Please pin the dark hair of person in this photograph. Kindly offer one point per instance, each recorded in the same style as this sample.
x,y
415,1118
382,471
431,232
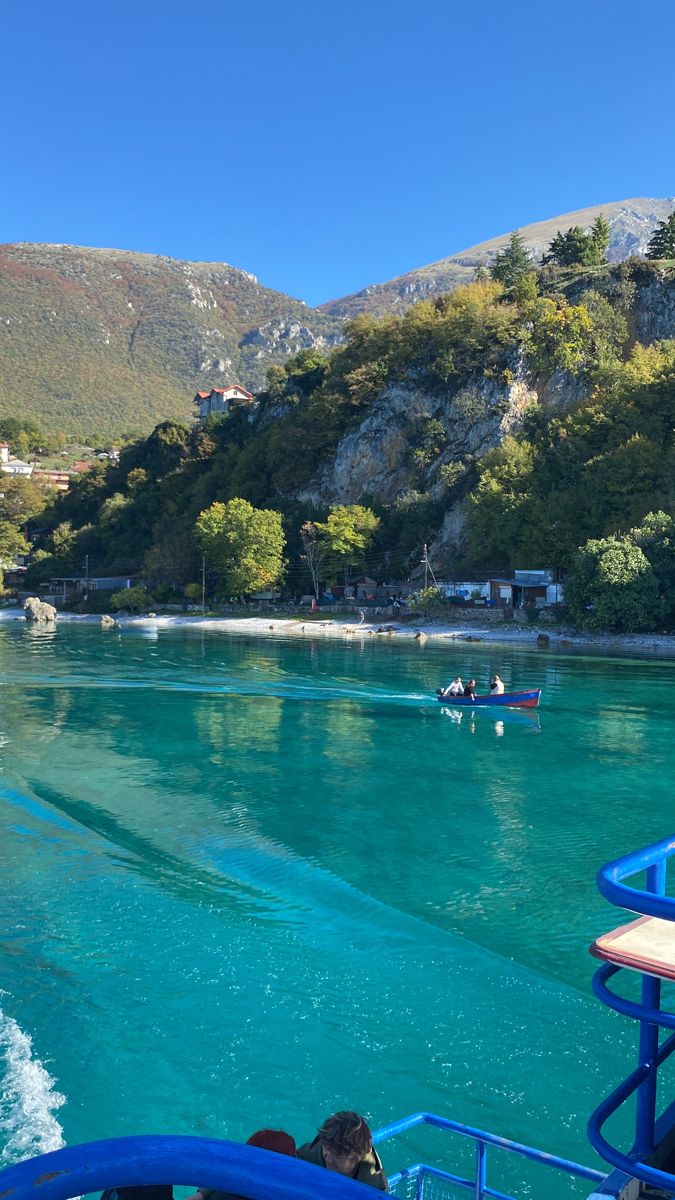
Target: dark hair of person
x,y
273,1139
347,1133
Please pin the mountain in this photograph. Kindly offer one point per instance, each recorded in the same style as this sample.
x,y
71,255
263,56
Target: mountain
x,y
104,341
632,223
101,342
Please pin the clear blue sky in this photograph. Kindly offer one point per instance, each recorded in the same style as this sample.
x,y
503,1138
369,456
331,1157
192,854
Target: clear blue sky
x,y
326,144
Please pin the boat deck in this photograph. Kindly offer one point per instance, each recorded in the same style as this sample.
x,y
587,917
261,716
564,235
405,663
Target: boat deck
x,y
646,945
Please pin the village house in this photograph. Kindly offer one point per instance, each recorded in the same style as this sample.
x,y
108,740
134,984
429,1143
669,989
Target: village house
x,y
60,480
11,465
527,589
221,400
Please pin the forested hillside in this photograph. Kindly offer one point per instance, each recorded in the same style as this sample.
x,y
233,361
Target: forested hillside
x,y
505,425
98,343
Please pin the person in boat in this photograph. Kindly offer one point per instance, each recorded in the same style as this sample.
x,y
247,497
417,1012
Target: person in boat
x,y
344,1144
265,1139
470,689
456,688
496,686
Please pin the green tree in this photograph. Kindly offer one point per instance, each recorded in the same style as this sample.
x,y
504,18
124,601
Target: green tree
x,y
578,248
63,540
655,536
245,544
560,336
134,599
20,499
347,533
12,542
613,587
601,232
166,447
512,263
662,242
23,434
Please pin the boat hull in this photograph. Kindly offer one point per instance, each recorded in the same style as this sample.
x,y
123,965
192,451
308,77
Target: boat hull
x,y
506,700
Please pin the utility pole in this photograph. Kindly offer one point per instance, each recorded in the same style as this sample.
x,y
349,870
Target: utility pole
x,y
425,560
203,584
86,576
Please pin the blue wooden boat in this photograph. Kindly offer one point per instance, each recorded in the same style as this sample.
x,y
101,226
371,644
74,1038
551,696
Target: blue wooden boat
x,y
506,700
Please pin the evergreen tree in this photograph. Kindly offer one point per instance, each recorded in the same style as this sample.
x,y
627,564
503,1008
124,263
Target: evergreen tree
x,y
577,248
601,232
512,263
662,241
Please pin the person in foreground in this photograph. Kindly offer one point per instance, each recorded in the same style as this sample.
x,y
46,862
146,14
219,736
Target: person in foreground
x,y
470,689
344,1144
265,1139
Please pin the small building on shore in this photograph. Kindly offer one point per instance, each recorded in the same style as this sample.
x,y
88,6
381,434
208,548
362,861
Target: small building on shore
x,y
67,587
525,589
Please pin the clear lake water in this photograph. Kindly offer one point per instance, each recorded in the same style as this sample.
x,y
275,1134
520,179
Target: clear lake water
x,y
246,882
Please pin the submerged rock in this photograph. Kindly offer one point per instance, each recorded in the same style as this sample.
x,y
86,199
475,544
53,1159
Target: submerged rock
x,y
39,611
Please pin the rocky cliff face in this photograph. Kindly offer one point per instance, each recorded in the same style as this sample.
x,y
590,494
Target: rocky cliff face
x,y
653,313
375,459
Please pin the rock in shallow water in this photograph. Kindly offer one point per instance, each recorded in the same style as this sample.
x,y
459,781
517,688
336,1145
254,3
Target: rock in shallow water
x,y
40,612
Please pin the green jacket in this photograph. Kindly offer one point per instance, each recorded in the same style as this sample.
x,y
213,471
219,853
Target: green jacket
x,y
368,1171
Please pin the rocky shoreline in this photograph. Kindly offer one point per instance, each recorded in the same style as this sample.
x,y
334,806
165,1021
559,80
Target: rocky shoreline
x,y
661,645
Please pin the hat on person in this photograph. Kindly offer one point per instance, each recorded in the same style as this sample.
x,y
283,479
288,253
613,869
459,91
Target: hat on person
x,y
273,1139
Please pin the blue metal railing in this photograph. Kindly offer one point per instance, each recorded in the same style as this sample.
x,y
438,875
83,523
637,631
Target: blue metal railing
x,y
649,901
478,1183
134,1161
245,1170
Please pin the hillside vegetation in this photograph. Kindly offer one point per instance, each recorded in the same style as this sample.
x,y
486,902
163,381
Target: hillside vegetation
x,y
98,343
592,464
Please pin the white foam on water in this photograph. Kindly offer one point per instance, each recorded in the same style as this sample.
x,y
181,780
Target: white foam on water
x,y
28,1098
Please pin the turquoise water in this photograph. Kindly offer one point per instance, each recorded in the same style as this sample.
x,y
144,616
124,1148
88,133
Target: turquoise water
x,y
247,882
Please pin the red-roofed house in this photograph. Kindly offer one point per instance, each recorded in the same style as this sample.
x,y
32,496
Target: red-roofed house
x,y
221,400
56,479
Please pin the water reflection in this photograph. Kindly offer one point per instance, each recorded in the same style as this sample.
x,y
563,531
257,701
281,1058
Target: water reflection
x,y
498,718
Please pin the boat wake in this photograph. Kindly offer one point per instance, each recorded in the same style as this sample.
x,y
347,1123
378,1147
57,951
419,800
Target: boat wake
x,y
28,1098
